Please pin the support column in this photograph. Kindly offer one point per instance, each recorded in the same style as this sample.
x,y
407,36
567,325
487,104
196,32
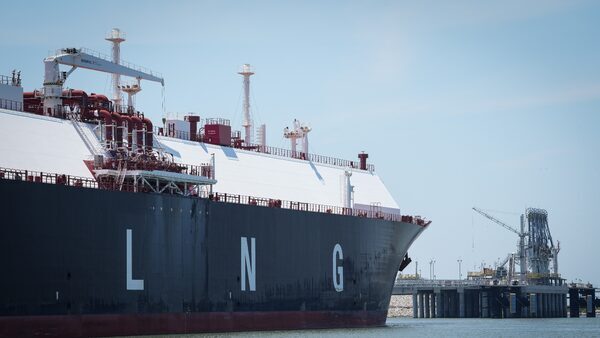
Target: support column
x,y
533,305
468,304
461,303
434,296
427,300
591,310
479,304
439,307
485,311
421,306
512,304
447,303
415,306
564,301
561,306
574,303
524,307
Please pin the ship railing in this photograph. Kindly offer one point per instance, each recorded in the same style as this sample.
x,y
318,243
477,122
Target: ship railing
x,y
125,109
206,170
281,152
440,282
203,169
217,120
49,178
178,134
60,111
10,104
10,80
314,207
334,161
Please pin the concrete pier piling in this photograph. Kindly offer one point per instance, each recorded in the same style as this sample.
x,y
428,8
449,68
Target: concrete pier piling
x,y
415,306
458,299
581,297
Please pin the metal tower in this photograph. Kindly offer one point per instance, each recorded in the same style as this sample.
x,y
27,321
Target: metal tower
x,y
299,131
246,72
131,90
540,246
116,37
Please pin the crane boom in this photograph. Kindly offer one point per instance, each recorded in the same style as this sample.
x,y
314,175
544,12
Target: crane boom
x,y
79,58
492,218
83,58
521,234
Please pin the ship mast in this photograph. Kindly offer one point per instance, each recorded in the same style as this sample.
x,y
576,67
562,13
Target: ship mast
x,y
246,72
116,37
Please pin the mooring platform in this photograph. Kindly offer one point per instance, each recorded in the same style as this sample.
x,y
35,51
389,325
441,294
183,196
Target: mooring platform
x,y
485,299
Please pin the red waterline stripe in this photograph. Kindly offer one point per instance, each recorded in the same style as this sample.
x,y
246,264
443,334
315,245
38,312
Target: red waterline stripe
x,y
178,323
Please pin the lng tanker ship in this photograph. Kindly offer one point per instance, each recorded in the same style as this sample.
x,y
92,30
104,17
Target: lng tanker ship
x,y
114,226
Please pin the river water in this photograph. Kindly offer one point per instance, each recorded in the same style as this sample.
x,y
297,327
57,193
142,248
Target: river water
x,y
409,327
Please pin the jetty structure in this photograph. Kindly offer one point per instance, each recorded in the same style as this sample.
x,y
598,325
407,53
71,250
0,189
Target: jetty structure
x,y
535,290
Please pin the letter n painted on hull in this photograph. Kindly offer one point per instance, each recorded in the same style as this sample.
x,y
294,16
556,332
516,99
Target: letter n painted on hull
x,y
248,263
338,271
132,284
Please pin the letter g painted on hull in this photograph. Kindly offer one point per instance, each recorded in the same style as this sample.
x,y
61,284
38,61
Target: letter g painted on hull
x,y
248,263
338,271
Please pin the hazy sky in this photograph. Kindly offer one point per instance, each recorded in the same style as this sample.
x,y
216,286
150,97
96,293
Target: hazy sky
x,y
458,103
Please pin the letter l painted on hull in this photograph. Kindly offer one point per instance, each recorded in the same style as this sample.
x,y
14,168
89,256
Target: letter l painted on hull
x,y
132,284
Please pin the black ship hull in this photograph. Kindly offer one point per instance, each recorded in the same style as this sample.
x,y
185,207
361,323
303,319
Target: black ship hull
x,y
90,262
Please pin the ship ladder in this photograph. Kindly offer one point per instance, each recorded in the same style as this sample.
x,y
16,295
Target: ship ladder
x,y
121,171
88,143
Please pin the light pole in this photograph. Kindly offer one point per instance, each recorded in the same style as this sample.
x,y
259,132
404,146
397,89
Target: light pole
x,y
417,269
459,270
434,269
431,269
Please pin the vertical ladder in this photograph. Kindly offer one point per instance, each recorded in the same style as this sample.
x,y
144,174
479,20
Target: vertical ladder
x,y
121,171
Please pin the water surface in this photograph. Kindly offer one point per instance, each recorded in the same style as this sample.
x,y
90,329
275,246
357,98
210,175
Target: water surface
x,y
421,328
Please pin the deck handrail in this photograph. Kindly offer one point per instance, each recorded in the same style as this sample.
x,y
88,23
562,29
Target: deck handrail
x,y
86,182
281,152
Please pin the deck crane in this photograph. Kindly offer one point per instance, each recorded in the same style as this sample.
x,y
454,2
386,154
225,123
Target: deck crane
x,y
510,259
522,234
82,58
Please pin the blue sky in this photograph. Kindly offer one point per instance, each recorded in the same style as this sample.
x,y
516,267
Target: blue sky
x,y
459,104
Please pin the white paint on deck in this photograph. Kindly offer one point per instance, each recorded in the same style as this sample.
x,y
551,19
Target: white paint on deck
x,y
39,143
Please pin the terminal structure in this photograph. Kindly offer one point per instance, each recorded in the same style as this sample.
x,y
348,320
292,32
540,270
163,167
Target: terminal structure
x,y
536,291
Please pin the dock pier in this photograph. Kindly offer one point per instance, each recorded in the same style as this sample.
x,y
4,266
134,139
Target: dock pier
x,y
583,296
474,299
